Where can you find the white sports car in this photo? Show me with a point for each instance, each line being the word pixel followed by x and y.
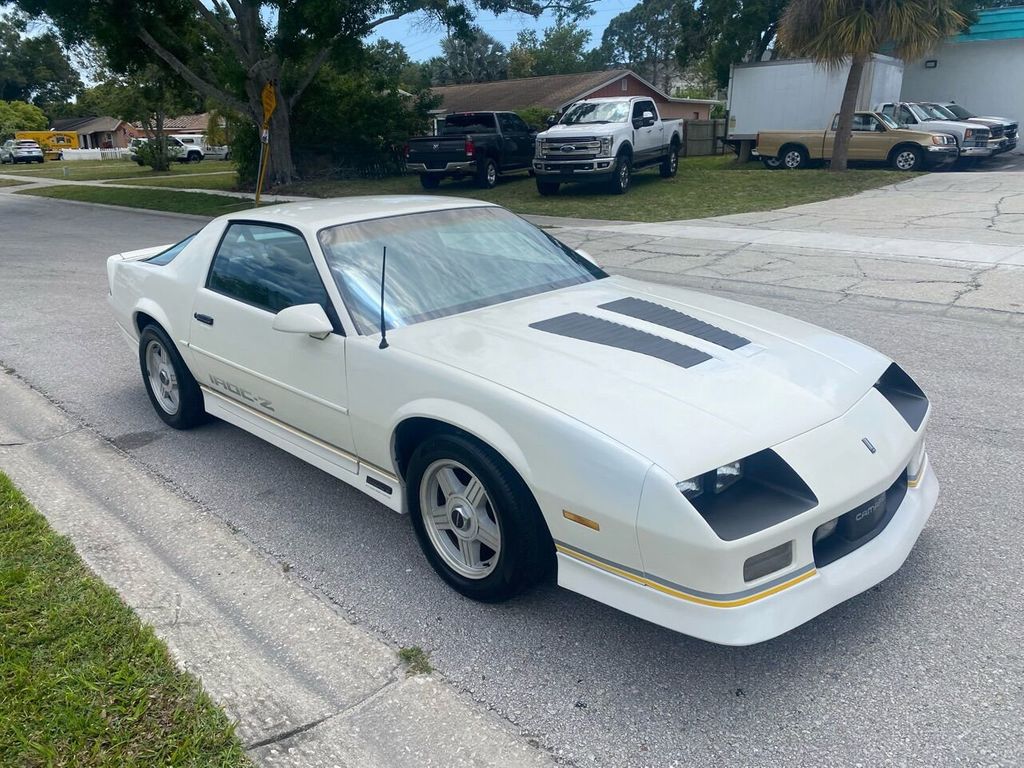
pixel 708 466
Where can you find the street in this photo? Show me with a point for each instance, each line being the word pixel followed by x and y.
pixel 925 669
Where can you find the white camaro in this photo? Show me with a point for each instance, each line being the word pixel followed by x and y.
pixel 708 466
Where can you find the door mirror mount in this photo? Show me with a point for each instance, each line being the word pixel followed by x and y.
pixel 304 318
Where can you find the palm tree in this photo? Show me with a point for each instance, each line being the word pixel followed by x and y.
pixel 833 31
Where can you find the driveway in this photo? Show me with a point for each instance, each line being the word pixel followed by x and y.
pixel 925 669
pixel 950 240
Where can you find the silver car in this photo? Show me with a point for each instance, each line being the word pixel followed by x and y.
pixel 20 151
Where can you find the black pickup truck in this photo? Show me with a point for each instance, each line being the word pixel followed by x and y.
pixel 483 145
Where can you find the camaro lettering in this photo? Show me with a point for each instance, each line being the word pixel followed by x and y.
pixel 245 394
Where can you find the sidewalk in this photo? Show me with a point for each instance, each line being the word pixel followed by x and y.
pixel 305 685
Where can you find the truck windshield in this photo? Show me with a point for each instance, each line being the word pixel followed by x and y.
pixel 889 122
pixel 959 112
pixel 460 125
pixel 442 263
pixel 597 112
pixel 920 112
pixel 940 113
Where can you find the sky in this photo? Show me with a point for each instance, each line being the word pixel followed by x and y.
pixel 422 41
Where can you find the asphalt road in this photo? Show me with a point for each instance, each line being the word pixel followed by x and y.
pixel 926 669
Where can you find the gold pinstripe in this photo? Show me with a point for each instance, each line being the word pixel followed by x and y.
pixel 678 593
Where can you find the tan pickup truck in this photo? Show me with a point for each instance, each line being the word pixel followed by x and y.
pixel 876 138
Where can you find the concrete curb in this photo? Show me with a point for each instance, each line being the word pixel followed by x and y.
pixel 305 686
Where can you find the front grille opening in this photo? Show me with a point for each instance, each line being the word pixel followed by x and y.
pixel 852 530
pixel 904 395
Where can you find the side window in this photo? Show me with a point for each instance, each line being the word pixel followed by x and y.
pixel 506 123
pixel 904 115
pixel 268 267
pixel 640 107
pixel 862 123
pixel 519 124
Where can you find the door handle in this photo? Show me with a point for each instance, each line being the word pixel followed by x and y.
pixel 204 319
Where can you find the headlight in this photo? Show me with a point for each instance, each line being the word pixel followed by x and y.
pixel 716 481
pixel 606 146
pixel 538 148
pixel 942 139
pixel 969 133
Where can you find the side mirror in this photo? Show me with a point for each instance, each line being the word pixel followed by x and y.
pixel 551 120
pixel 304 318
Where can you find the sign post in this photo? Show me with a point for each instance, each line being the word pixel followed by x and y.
pixel 269 98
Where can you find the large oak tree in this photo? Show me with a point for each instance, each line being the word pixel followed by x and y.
pixel 229 49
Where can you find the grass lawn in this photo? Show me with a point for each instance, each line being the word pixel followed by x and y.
pixel 227 179
pixel 82 682
pixel 151 199
pixel 705 186
pixel 11 183
pixel 97 170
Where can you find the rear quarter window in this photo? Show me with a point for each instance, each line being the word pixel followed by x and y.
pixel 166 257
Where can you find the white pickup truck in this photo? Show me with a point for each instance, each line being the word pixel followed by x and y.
pixel 605 140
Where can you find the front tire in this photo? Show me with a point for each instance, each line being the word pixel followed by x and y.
pixel 623 175
pixel 908 159
pixel 547 188
pixel 477 522
pixel 772 163
pixel 172 389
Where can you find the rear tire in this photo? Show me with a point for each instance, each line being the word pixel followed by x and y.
pixel 794 158
pixel 428 181
pixel 476 521
pixel 172 389
pixel 487 174
pixel 547 188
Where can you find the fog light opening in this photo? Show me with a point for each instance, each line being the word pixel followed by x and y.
pixel 825 530
pixel 774 559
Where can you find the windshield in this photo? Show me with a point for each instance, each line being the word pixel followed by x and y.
pixel 960 112
pixel 920 112
pixel 459 125
pixel 445 262
pixel 889 122
pixel 597 112
pixel 938 113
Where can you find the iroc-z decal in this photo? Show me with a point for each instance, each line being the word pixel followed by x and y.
pixel 245 394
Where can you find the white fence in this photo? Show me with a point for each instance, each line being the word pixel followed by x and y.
pixel 96 154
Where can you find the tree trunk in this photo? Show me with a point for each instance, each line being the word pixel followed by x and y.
pixel 841 142
pixel 281 169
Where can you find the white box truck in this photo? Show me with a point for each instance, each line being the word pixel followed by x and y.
pixel 797 95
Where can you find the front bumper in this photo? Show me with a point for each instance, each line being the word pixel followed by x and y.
pixel 774 611
pixel 976 151
pixel 942 154
pixel 468 166
pixel 598 166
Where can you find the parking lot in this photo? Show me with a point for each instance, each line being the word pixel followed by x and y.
pixel 925 669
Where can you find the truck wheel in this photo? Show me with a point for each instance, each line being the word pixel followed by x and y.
pixel 772 163
pixel 907 159
pixel 620 180
pixel 429 181
pixel 487 175
pixel 793 158
pixel 670 165
pixel 547 188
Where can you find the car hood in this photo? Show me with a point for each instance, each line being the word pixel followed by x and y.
pixel 958 126
pixel 791 377
pixel 558 131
